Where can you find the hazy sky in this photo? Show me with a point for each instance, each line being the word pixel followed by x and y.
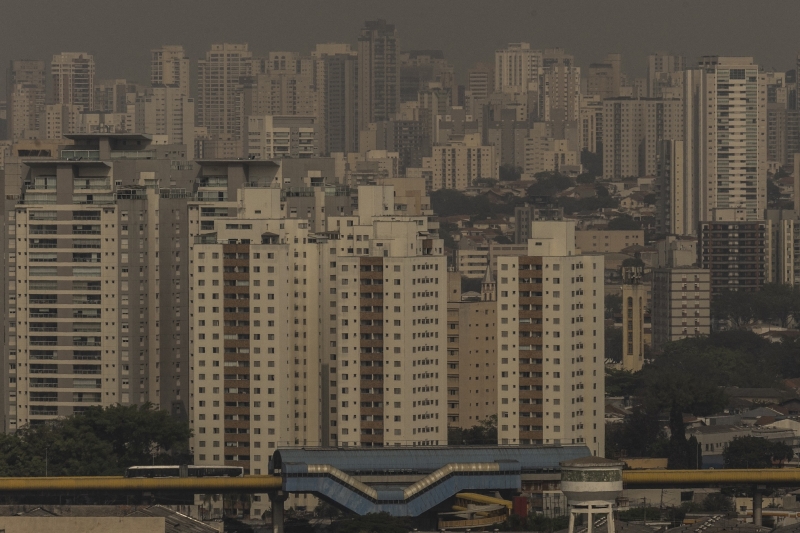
pixel 121 33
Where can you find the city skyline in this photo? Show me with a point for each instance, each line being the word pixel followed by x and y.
pixel 743 29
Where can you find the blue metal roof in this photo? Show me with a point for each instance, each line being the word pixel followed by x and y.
pixel 419 459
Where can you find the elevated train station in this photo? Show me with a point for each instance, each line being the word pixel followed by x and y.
pixel 411 481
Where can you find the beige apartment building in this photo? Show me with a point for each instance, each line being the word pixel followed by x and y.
pixel 471 354
pixel 220 91
pixel 681 304
pixel 275 137
pixel 550 342
pixel 96 280
pixel 169 67
pixel 305 339
pixel 632 131
pixel 73 79
pixel 462 161
pixel 605 241
pixel 515 66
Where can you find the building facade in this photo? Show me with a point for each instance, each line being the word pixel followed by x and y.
pixel 550 343
pixel 681 304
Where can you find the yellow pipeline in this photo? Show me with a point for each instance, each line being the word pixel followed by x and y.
pixel 197 485
pixel 759 476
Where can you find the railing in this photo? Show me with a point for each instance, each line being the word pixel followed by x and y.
pixel 133 154
pixel 88 155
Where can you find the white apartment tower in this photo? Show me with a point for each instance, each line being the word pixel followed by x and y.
pixel 550 342
pixel 728 97
pixel 94 281
pixel 310 339
pixel 169 67
pixel 515 66
pixel 73 79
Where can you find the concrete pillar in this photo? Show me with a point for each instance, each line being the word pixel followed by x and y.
pixel 589 520
pixel 756 507
pixel 610 520
pixel 571 521
pixel 277 498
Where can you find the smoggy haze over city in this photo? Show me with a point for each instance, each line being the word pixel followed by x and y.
pixel 120 36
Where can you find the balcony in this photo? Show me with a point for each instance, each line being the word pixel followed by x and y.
pixel 80 155
pixel 133 154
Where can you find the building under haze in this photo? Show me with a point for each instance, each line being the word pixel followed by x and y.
pixel 25 98
pixel 220 95
pixel 169 67
pixel 97 279
pixel 72 74
pixel 550 343
pixel 378 72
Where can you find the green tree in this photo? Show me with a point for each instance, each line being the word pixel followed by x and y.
pixel 510 172
pixel 549 184
pixel 96 442
pixel 716 502
pixel 755 452
pixel 482 434
pixel 650 198
pixel 586 178
pixel 613 305
pixel 641 434
pixel 613 344
pixel 592 162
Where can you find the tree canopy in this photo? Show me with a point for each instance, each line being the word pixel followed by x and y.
pixel 755 452
pixel 775 303
pixel 484 433
pixel 97 442
pixel 690 376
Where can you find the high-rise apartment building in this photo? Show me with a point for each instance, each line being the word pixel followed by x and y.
pixel 378 73
pixel 515 67
pixel 632 131
pixel 550 343
pixel 659 68
pixel 424 69
pixel 590 125
pixel 605 79
pixel 274 137
pixel 73 79
pixel 480 81
pixel 681 304
pixel 736 251
pixel 96 280
pixel 337 86
pixel 459 163
pixel 727 95
pixel 471 353
pixel 286 86
pixel 220 99
pixel 111 96
pixel 169 67
pixel 676 197
pixel 560 94
pixel 166 110
pixel 284 352
pixel 25 100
